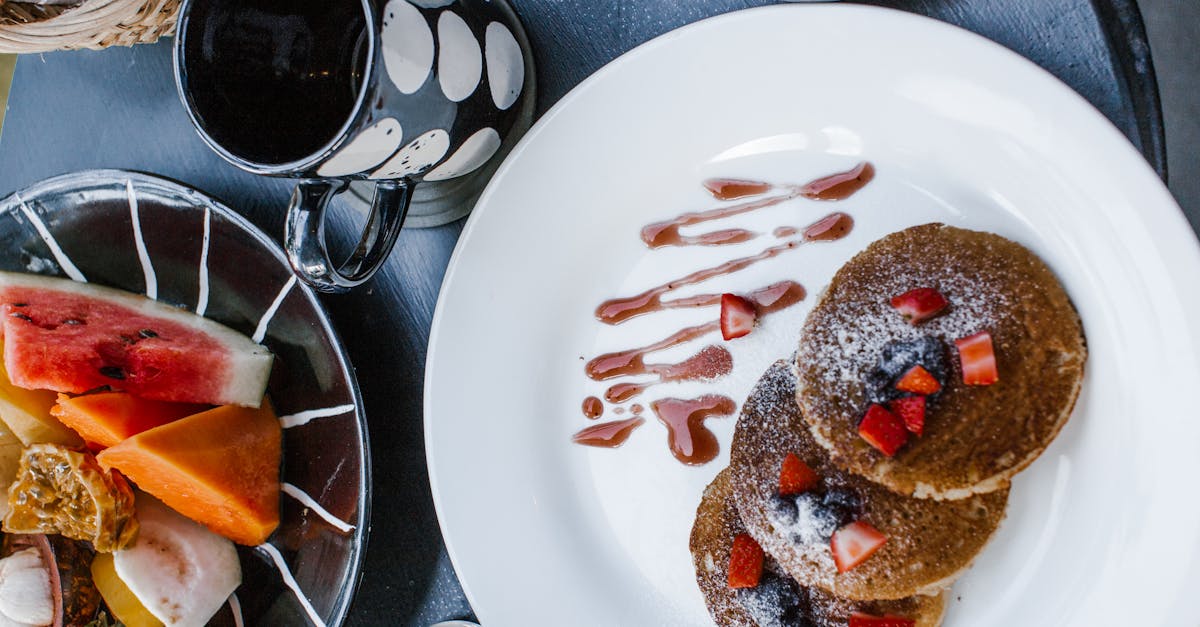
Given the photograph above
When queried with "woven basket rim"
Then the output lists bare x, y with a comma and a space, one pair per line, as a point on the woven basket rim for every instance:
93, 24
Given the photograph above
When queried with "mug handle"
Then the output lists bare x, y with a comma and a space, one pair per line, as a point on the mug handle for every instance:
304, 234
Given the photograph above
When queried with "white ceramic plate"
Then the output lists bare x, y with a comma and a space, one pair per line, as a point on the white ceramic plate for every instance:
1102, 530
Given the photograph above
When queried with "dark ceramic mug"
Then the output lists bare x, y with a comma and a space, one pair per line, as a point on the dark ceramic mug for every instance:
330, 91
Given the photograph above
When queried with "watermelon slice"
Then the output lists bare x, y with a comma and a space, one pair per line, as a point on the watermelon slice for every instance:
74, 337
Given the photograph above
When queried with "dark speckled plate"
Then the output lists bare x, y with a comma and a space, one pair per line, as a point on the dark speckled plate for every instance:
196, 253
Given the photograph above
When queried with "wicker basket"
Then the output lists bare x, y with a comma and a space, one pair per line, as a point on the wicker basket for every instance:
90, 24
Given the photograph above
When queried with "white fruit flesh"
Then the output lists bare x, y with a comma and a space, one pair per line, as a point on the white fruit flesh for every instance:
25, 597
249, 363
8, 622
181, 572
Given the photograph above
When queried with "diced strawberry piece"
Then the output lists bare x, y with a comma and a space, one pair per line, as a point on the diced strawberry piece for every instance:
883, 430
978, 359
910, 409
854, 543
795, 477
861, 619
918, 381
920, 304
745, 562
737, 316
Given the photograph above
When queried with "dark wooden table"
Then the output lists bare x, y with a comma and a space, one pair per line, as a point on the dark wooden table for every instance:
118, 109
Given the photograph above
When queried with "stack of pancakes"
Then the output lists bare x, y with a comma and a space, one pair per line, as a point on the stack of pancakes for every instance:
941, 497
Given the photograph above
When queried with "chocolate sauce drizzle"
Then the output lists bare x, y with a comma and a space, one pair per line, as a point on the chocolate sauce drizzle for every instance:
690, 440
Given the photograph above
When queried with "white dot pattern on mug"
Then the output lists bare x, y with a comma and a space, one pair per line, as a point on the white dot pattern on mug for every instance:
367, 150
505, 65
411, 38
460, 61
407, 46
473, 153
419, 155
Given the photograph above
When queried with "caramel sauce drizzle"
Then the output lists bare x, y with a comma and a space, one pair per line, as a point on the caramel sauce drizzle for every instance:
618, 310
732, 189
666, 233
608, 434
622, 392
593, 408
711, 362
690, 440
839, 186
608, 365
833, 187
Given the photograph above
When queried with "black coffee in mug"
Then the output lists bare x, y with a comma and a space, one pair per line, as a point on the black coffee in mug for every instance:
331, 91
280, 77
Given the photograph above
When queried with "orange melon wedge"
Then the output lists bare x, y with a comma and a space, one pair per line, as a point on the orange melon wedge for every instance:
219, 467
108, 418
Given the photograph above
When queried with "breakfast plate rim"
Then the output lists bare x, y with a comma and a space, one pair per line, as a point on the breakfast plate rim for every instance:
1160, 212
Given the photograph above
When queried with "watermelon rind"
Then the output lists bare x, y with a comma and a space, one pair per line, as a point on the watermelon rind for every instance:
248, 364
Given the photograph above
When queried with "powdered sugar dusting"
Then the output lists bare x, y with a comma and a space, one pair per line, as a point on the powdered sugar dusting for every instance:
801, 540
795, 530
778, 600
843, 342
778, 382
803, 520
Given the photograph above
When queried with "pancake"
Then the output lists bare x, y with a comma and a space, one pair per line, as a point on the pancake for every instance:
976, 437
929, 543
778, 601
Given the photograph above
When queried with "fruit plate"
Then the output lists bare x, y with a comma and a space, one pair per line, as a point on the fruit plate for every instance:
152, 236
546, 532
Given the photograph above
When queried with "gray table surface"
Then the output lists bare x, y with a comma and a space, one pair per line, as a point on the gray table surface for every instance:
118, 109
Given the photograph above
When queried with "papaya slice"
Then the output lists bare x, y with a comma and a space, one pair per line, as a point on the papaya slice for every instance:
107, 418
219, 467
27, 414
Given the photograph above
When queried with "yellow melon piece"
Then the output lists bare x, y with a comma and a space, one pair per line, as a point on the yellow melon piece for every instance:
219, 467
10, 459
27, 414
120, 600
